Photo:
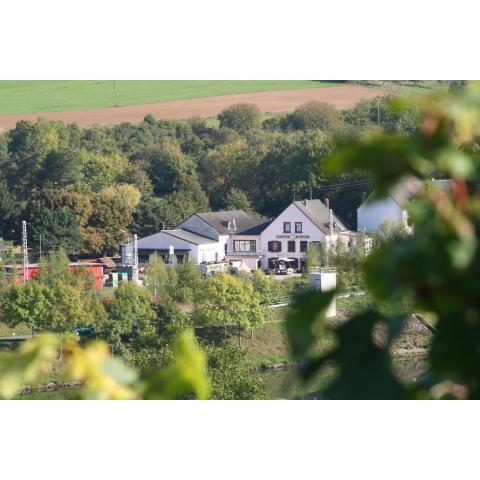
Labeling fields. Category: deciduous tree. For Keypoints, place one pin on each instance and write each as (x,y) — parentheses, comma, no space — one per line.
(241,117)
(229,300)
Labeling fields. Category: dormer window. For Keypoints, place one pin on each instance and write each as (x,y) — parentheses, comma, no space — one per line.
(287,227)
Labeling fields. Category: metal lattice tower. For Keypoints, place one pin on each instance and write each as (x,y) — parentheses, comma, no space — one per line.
(135,258)
(24,251)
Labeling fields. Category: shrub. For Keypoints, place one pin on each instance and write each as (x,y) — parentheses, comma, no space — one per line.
(271,124)
(242,117)
(315,115)
(231,374)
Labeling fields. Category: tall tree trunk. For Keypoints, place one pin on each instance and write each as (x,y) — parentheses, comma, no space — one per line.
(60,353)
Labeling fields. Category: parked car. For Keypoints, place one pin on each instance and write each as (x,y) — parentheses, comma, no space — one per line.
(84,330)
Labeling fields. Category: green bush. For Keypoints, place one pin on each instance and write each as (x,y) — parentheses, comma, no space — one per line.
(314,116)
(241,117)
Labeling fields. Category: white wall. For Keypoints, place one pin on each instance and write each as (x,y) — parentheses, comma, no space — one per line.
(211,252)
(249,261)
(370,215)
(325,282)
(198,253)
(310,233)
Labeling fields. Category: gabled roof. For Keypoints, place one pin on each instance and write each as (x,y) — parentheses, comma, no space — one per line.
(256,229)
(223,222)
(188,236)
(410,187)
(405,190)
(319,214)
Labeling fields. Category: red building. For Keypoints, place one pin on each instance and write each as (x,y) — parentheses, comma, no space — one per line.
(95,269)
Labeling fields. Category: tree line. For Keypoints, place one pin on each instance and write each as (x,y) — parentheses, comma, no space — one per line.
(142,325)
(85,189)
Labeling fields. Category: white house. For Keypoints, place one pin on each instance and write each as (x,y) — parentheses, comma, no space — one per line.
(187,246)
(372,213)
(302,223)
(201,238)
(219,226)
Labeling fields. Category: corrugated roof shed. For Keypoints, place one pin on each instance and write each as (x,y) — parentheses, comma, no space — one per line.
(107,262)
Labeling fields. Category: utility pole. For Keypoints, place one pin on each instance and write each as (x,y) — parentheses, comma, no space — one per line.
(135,259)
(24,251)
(378,111)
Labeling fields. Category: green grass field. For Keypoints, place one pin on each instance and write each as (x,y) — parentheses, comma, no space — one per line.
(406,87)
(30,96)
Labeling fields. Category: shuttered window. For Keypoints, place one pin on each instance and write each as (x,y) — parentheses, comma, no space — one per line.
(274,246)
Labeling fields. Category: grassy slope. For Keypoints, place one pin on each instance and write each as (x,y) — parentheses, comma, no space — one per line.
(27,96)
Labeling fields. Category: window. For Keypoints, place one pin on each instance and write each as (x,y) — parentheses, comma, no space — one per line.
(298,227)
(274,246)
(287,227)
(303,245)
(244,245)
(291,245)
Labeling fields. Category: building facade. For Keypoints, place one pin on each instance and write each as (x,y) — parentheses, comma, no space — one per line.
(96,270)
(288,236)
(372,213)
(244,242)
(202,238)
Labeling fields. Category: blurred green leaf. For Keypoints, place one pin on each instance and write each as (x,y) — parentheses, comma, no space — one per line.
(28,365)
(186,376)
(305,320)
(364,367)
(120,372)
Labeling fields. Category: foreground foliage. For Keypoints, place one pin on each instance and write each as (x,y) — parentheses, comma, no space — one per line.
(436,268)
(104,376)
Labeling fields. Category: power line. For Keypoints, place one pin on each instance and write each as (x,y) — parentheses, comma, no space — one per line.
(326,188)
(338,185)
(345,188)
(341,185)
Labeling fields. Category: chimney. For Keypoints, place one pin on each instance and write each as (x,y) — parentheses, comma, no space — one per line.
(305,202)
(327,203)
(331,221)
(234,224)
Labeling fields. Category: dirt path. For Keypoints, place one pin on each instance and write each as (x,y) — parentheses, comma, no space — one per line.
(275,101)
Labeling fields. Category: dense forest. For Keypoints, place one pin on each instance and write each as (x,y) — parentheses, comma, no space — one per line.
(86,189)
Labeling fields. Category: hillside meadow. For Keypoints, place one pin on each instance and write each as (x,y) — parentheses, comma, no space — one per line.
(30,96)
